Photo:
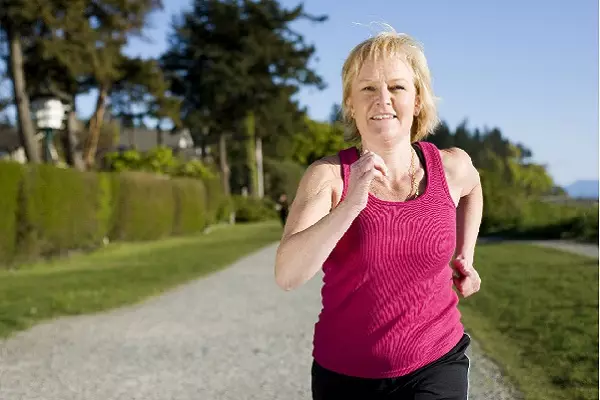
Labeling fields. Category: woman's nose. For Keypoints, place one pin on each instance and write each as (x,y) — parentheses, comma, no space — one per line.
(384,97)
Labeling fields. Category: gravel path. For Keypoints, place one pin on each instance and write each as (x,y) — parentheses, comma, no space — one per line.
(231,335)
(584,249)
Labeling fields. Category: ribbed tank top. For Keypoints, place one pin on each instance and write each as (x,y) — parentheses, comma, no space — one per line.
(388,306)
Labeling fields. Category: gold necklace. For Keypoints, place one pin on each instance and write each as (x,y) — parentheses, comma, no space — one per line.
(414,187)
(413,175)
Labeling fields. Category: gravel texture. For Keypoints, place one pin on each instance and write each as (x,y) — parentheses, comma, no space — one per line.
(231,335)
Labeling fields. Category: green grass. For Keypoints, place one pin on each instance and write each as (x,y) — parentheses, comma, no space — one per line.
(120,274)
(537,316)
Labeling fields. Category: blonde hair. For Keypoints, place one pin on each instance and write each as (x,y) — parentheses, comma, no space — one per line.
(389,43)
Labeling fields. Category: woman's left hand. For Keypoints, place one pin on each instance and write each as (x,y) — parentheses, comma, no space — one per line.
(466,279)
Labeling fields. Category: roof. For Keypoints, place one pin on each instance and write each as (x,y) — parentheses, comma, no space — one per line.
(144,139)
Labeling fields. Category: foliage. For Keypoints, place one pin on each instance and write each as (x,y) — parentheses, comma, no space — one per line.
(282,177)
(60,211)
(11,176)
(159,160)
(320,139)
(190,206)
(230,58)
(77,45)
(252,209)
(516,191)
(48,211)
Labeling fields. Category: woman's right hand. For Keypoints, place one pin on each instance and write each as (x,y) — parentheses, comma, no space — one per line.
(362,173)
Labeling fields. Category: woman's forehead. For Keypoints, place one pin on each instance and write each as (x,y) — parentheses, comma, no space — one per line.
(389,67)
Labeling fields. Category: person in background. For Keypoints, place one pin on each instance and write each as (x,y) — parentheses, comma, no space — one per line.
(393,223)
(283,207)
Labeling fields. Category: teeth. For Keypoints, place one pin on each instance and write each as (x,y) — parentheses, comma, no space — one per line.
(383,116)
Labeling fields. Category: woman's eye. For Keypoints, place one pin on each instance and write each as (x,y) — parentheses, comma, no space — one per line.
(369,88)
(398,87)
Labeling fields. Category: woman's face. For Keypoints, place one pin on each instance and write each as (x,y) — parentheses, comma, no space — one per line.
(383,99)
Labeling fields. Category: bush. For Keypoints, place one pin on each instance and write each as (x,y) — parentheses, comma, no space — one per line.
(46,211)
(218,206)
(282,177)
(585,226)
(62,209)
(190,206)
(144,206)
(252,209)
(537,219)
(11,176)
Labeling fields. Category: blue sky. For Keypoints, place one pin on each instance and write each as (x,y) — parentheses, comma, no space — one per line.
(527,67)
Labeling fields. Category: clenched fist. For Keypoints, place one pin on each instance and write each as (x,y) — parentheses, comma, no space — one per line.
(466,279)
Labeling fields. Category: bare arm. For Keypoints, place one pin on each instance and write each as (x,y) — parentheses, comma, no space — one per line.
(470,207)
(311,230)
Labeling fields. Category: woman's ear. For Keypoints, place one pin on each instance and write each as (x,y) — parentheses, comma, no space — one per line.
(417,105)
(350,108)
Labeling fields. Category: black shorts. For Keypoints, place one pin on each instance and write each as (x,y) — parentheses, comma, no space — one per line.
(447,378)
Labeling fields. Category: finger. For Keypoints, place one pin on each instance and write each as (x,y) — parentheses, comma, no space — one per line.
(380,164)
(461,266)
(367,164)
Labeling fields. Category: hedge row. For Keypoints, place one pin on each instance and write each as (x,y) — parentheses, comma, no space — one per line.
(47,211)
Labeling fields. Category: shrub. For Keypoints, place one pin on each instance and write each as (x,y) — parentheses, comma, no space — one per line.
(252,209)
(62,209)
(11,176)
(282,177)
(144,206)
(190,206)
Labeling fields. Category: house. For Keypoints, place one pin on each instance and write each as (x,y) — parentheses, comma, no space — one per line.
(143,139)
(11,148)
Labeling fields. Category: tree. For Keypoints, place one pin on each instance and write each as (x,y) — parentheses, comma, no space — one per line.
(320,139)
(86,38)
(142,92)
(230,58)
(16,19)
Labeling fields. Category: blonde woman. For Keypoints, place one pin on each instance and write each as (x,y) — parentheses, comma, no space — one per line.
(392,222)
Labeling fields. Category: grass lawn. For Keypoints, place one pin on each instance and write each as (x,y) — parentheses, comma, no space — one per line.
(537,316)
(120,274)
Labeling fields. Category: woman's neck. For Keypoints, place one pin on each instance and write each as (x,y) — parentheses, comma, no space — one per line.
(397,156)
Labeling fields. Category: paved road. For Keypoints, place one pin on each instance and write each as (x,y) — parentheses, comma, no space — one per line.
(232,335)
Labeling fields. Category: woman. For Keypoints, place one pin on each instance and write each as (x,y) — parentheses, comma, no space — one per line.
(385,221)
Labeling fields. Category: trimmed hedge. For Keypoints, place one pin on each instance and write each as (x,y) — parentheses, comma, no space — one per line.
(62,210)
(144,207)
(47,211)
(252,209)
(11,175)
(190,206)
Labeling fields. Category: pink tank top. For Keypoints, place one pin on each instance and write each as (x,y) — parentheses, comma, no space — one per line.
(388,306)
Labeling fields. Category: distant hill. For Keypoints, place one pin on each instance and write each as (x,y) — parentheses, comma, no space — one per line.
(587,189)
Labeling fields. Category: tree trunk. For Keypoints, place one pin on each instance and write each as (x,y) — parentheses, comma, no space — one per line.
(72,154)
(225,171)
(95,127)
(26,129)
(250,134)
(260,177)
(203,144)
(159,136)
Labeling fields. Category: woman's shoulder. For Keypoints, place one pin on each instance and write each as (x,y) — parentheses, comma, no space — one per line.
(455,160)
(324,169)
(324,174)
(459,167)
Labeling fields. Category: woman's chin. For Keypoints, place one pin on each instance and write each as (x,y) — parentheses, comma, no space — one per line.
(384,134)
